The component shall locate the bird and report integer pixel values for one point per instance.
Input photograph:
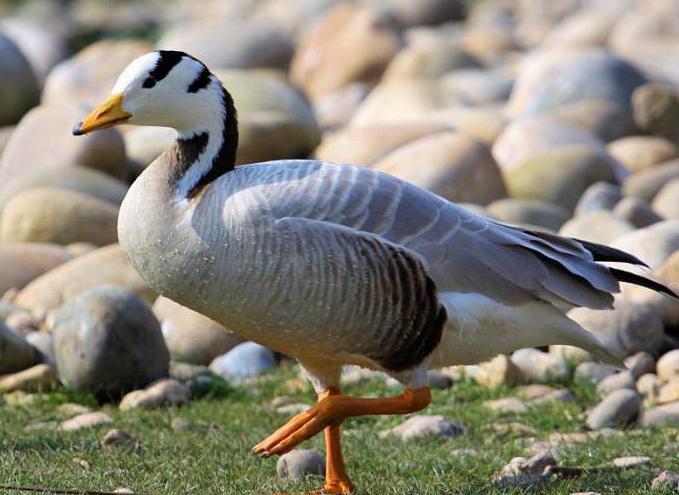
(337, 264)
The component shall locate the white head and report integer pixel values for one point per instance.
(172, 89)
(163, 88)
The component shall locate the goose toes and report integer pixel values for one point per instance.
(300, 428)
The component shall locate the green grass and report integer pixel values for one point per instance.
(215, 457)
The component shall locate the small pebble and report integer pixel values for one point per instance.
(87, 420)
(423, 426)
(631, 461)
(119, 439)
(666, 480)
(299, 463)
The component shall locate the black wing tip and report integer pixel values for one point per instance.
(633, 278)
(606, 253)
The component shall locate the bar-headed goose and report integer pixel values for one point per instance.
(335, 264)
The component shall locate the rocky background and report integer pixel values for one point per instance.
(557, 114)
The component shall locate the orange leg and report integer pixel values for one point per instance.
(337, 481)
(331, 410)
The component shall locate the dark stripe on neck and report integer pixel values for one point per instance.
(184, 153)
(200, 82)
(167, 59)
(225, 159)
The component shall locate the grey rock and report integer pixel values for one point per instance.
(592, 372)
(506, 405)
(41, 377)
(117, 439)
(526, 472)
(638, 153)
(86, 421)
(667, 366)
(617, 409)
(560, 175)
(479, 86)
(20, 263)
(550, 79)
(73, 178)
(599, 196)
(571, 354)
(540, 366)
(656, 110)
(58, 216)
(632, 461)
(560, 395)
(666, 202)
(422, 426)
(627, 329)
(191, 337)
(42, 46)
(425, 13)
(439, 380)
(653, 244)
(107, 340)
(640, 363)
(646, 184)
(104, 266)
(649, 385)
(666, 480)
(89, 76)
(46, 124)
(665, 415)
(15, 353)
(623, 379)
(497, 372)
(44, 344)
(299, 463)
(184, 372)
(450, 164)
(525, 212)
(601, 226)
(604, 119)
(160, 393)
(18, 84)
(636, 212)
(244, 45)
(244, 361)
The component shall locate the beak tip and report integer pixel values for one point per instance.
(77, 129)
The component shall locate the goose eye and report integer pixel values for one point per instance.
(149, 82)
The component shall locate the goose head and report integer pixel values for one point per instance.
(163, 88)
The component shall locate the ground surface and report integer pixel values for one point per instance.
(215, 458)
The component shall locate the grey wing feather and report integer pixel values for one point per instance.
(462, 252)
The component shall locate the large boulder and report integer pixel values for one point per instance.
(48, 214)
(76, 178)
(602, 118)
(653, 244)
(243, 362)
(366, 145)
(551, 78)
(666, 202)
(274, 120)
(429, 59)
(18, 84)
(107, 340)
(404, 101)
(527, 212)
(42, 46)
(191, 337)
(450, 164)
(369, 36)
(89, 76)
(106, 265)
(599, 196)
(242, 46)
(526, 137)
(601, 226)
(560, 176)
(646, 184)
(638, 153)
(43, 140)
(22, 262)
(15, 353)
(625, 330)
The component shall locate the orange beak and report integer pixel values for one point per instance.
(107, 114)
